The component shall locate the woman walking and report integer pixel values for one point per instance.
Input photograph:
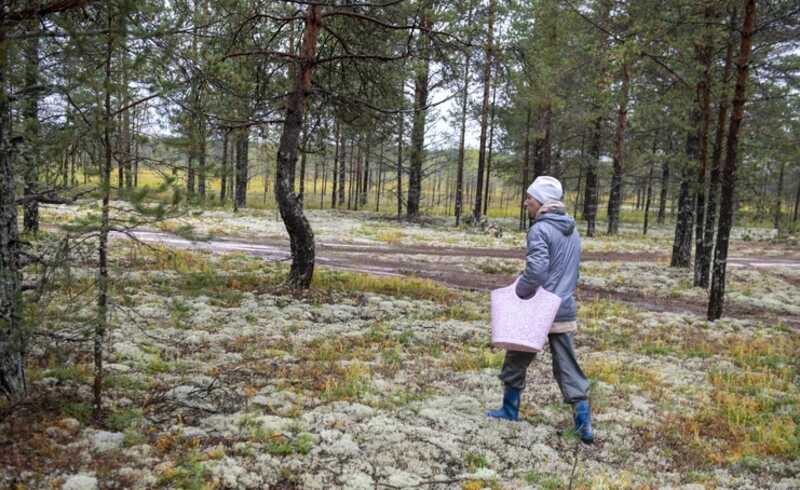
(551, 262)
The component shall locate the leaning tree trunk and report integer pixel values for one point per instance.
(487, 85)
(12, 339)
(615, 196)
(728, 195)
(301, 238)
(420, 112)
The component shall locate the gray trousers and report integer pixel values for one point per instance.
(568, 374)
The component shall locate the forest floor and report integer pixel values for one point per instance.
(218, 378)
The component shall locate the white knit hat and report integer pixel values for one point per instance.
(546, 188)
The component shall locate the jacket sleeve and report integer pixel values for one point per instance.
(537, 264)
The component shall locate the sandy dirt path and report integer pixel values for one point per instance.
(399, 261)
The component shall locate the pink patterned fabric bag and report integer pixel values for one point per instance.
(522, 324)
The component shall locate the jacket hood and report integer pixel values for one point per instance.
(563, 223)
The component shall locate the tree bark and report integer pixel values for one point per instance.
(615, 195)
(12, 339)
(342, 168)
(705, 58)
(489, 156)
(526, 163)
(716, 156)
(224, 170)
(242, 163)
(400, 165)
(459, 203)
(420, 112)
(649, 191)
(487, 86)
(728, 194)
(102, 251)
(336, 156)
(32, 155)
(778, 198)
(301, 237)
(592, 193)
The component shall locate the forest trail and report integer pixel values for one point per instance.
(395, 261)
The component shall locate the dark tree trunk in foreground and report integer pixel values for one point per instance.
(728, 195)
(342, 169)
(796, 201)
(420, 112)
(487, 85)
(242, 151)
(716, 156)
(704, 57)
(301, 238)
(12, 339)
(615, 196)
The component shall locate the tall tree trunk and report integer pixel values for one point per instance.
(662, 200)
(487, 86)
(592, 193)
(778, 199)
(336, 157)
(242, 164)
(716, 156)
(649, 191)
(491, 147)
(32, 155)
(342, 168)
(224, 171)
(380, 181)
(526, 164)
(420, 112)
(303, 157)
(201, 159)
(365, 179)
(400, 165)
(796, 201)
(12, 339)
(459, 204)
(682, 244)
(615, 196)
(705, 58)
(301, 238)
(716, 299)
(102, 270)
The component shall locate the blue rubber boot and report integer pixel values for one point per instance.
(583, 421)
(510, 408)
